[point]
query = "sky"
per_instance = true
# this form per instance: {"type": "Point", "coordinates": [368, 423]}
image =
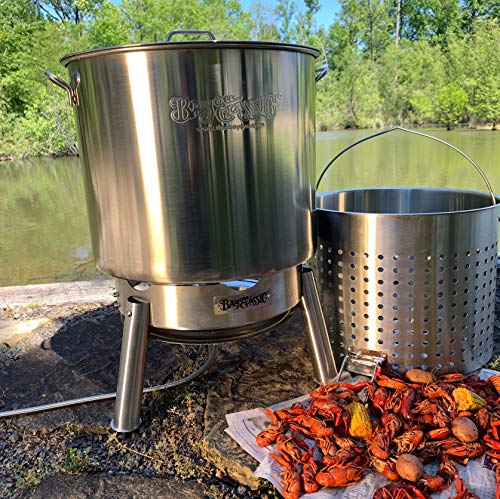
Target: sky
{"type": "Point", "coordinates": [324, 17]}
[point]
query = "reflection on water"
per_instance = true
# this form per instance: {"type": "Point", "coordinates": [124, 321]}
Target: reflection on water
{"type": "Point", "coordinates": [43, 220]}
{"type": "Point", "coordinates": [43, 223]}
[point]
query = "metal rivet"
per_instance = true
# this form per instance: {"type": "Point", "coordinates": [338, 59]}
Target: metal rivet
{"type": "Point", "coordinates": [129, 313]}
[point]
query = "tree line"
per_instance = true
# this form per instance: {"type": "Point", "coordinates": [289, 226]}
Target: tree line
{"type": "Point", "coordinates": [411, 62]}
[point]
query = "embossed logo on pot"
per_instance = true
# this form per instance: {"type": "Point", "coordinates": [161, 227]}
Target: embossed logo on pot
{"type": "Point", "coordinates": [227, 304]}
{"type": "Point", "coordinates": [226, 112]}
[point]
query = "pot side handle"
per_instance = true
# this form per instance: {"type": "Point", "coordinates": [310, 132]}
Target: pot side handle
{"type": "Point", "coordinates": [322, 70]}
{"type": "Point", "coordinates": [70, 88]}
{"type": "Point", "coordinates": [190, 32]}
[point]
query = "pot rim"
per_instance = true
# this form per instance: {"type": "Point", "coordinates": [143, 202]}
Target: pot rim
{"type": "Point", "coordinates": [189, 45]}
{"type": "Point", "coordinates": [324, 194]}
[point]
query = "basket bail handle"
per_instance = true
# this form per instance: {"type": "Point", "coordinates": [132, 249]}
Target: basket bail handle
{"type": "Point", "coordinates": [468, 158]}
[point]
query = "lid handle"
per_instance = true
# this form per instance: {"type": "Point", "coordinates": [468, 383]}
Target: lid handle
{"type": "Point", "coordinates": [190, 32]}
{"type": "Point", "coordinates": [476, 166]}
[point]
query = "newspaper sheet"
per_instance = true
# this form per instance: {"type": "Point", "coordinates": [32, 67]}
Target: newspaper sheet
{"type": "Point", "coordinates": [244, 426]}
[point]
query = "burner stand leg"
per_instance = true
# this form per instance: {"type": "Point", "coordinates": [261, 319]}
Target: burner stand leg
{"type": "Point", "coordinates": [132, 362]}
{"type": "Point", "coordinates": [320, 347]}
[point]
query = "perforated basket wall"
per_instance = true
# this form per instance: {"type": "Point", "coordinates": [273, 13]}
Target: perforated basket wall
{"type": "Point", "coordinates": [419, 288]}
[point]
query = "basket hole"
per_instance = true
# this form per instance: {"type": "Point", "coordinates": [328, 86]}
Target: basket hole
{"type": "Point", "coordinates": [380, 281]}
{"type": "Point", "coordinates": [442, 257]}
{"type": "Point", "coordinates": [395, 283]}
{"type": "Point", "coordinates": [380, 269]}
{"type": "Point", "coordinates": [395, 331]}
{"type": "Point", "coordinates": [411, 283]}
{"type": "Point", "coordinates": [395, 343]}
{"type": "Point", "coordinates": [366, 339]}
{"type": "Point", "coordinates": [396, 257]}
{"type": "Point", "coordinates": [467, 253]}
{"type": "Point", "coordinates": [352, 253]}
{"type": "Point", "coordinates": [340, 252]}
{"type": "Point", "coordinates": [411, 257]}
{"type": "Point", "coordinates": [395, 307]}
{"type": "Point", "coordinates": [380, 257]}
{"type": "Point", "coordinates": [455, 255]}
{"type": "Point", "coordinates": [411, 270]}
{"type": "Point", "coordinates": [352, 265]}
{"type": "Point", "coordinates": [439, 343]}
{"type": "Point", "coordinates": [366, 255]}
{"type": "Point", "coordinates": [409, 344]}
{"type": "Point", "coordinates": [380, 342]}
{"type": "Point", "coordinates": [425, 331]}
{"type": "Point", "coordinates": [395, 270]}
{"type": "Point", "coordinates": [410, 356]}
{"type": "Point", "coordinates": [428, 258]}
{"type": "Point", "coordinates": [380, 317]}
{"type": "Point", "coordinates": [424, 355]}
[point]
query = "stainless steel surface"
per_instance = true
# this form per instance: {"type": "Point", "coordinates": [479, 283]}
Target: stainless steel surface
{"type": "Point", "coordinates": [107, 396]}
{"type": "Point", "coordinates": [410, 273]}
{"type": "Point", "coordinates": [132, 362]}
{"type": "Point", "coordinates": [198, 159]}
{"type": "Point", "coordinates": [188, 45]}
{"type": "Point", "coordinates": [211, 336]}
{"type": "Point", "coordinates": [215, 306]}
{"type": "Point", "coordinates": [318, 339]}
{"type": "Point", "coordinates": [378, 134]}
{"type": "Point", "coordinates": [362, 361]}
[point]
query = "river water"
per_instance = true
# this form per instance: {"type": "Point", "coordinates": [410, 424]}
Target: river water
{"type": "Point", "coordinates": [44, 235]}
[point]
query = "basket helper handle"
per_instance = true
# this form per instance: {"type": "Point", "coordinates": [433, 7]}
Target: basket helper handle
{"type": "Point", "coordinates": [476, 166]}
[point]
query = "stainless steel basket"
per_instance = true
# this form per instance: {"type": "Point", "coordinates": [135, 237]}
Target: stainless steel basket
{"type": "Point", "coordinates": [409, 274]}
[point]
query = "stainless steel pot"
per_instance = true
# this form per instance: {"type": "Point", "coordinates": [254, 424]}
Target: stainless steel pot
{"type": "Point", "coordinates": [199, 157]}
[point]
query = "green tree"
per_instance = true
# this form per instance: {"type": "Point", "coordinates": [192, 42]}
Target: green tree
{"type": "Point", "coordinates": [451, 104]}
{"type": "Point", "coordinates": [430, 20]}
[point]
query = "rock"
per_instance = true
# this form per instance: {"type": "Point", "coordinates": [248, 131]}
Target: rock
{"type": "Point", "coordinates": [58, 293]}
{"type": "Point", "coordinates": [13, 332]}
{"type": "Point", "coordinates": [62, 486]}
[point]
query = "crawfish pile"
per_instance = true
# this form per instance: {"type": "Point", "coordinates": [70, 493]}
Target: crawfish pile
{"type": "Point", "coordinates": [406, 422]}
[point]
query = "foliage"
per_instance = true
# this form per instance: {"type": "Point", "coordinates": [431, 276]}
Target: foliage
{"type": "Point", "coordinates": [451, 104]}
{"type": "Point", "coordinates": [442, 67]}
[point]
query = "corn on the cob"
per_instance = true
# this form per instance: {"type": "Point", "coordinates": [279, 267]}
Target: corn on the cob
{"type": "Point", "coordinates": [467, 400]}
{"type": "Point", "coordinates": [360, 425]}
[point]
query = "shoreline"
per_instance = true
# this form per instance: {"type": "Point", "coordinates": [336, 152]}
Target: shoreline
{"type": "Point", "coordinates": [439, 126]}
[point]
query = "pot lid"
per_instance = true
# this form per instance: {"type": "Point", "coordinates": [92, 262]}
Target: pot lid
{"type": "Point", "coordinates": [191, 44]}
